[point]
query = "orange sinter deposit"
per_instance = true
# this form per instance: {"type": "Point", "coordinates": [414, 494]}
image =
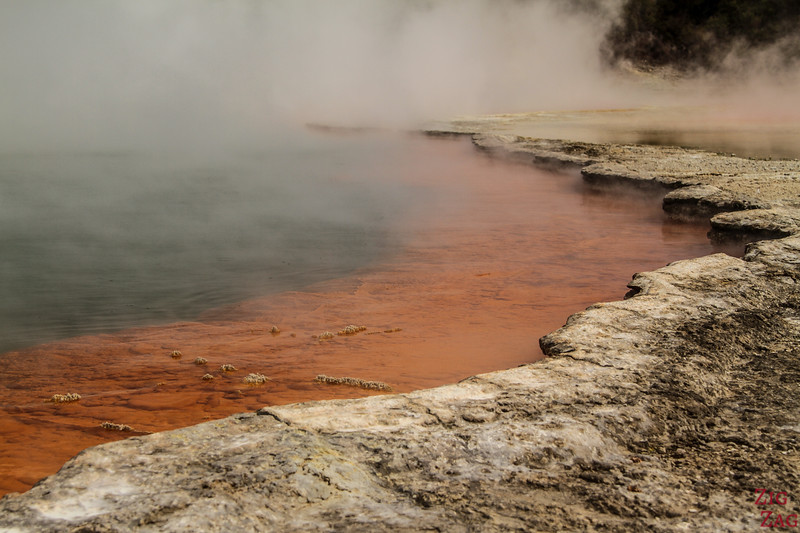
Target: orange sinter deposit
{"type": "Point", "coordinates": [496, 255]}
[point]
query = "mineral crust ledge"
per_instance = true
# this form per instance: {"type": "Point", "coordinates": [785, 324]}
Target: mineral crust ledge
{"type": "Point", "coordinates": [662, 412]}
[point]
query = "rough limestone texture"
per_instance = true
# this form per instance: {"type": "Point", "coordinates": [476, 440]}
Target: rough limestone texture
{"type": "Point", "coordinates": [763, 222]}
{"type": "Point", "coordinates": [662, 412]}
{"type": "Point", "coordinates": [698, 184]}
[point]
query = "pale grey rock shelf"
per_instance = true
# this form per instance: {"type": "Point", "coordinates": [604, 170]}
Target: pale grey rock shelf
{"type": "Point", "coordinates": [661, 412]}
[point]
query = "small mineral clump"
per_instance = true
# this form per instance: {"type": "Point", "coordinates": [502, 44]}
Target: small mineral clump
{"type": "Point", "coordinates": [351, 330]}
{"type": "Point", "coordinates": [201, 361]}
{"type": "Point", "coordinates": [325, 335]}
{"type": "Point", "coordinates": [116, 427]}
{"type": "Point", "coordinates": [275, 330]}
{"type": "Point", "coordinates": [354, 382]}
{"type": "Point", "coordinates": [227, 368]}
{"type": "Point", "coordinates": [176, 354]}
{"type": "Point", "coordinates": [65, 398]}
{"type": "Point", "coordinates": [208, 377]}
{"type": "Point", "coordinates": [255, 379]}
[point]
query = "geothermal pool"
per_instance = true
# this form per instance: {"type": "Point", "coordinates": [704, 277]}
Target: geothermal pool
{"type": "Point", "coordinates": [456, 264]}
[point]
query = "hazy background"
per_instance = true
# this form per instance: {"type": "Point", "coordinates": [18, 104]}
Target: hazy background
{"type": "Point", "coordinates": [118, 74]}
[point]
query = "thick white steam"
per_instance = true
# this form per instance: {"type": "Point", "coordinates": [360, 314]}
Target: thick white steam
{"type": "Point", "coordinates": [116, 73]}
{"type": "Point", "coordinates": [122, 74]}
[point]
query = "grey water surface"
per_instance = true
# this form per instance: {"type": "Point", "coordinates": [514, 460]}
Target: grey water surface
{"type": "Point", "coordinates": [95, 242]}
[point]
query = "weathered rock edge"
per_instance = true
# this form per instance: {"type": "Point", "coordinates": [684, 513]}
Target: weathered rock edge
{"type": "Point", "coordinates": [661, 412]}
{"type": "Point", "coordinates": [764, 194]}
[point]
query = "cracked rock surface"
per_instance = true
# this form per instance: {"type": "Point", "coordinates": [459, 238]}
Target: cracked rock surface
{"type": "Point", "coordinates": [661, 412]}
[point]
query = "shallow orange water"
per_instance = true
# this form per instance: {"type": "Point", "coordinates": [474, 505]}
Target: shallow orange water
{"type": "Point", "coordinates": [500, 255]}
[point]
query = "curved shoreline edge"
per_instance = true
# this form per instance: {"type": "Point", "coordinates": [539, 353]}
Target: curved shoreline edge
{"type": "Point", "coordinates": [661, 412]}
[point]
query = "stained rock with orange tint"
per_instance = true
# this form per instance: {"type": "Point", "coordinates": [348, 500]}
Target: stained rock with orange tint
{"type": "Point", "coordinates": [659, 412]}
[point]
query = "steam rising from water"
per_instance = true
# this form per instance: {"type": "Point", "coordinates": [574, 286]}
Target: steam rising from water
{"type": "Point", "coordinates": [116, 74]}
{"type": "Point", "coordinates": [121, 75]}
